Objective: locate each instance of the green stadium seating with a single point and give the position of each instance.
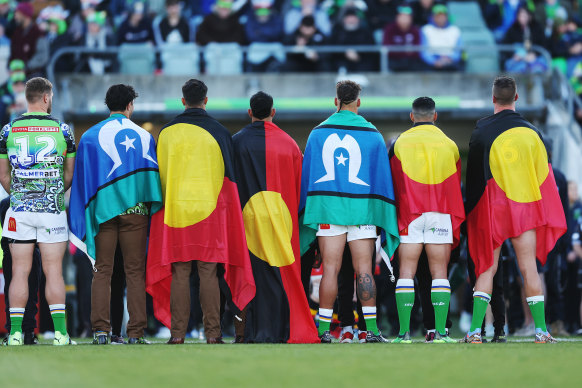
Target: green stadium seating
(137, 58)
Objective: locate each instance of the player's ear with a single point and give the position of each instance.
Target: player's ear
(412, 117)
(183, 101)
(273, 112)
(434, 119)
(494, 100)
(335, 101)
(250, 112)
(358, 103)
(516, 96)
(205, 101)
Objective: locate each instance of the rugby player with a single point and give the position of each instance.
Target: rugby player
(37, 157)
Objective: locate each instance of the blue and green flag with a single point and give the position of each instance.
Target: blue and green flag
(115, 169)
(346, 180)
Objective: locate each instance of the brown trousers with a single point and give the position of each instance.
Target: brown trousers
(209, 298)
(131, 232)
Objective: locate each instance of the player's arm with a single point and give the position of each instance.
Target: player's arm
(69, 166)
(5, 174)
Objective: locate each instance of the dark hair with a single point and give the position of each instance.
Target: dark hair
(261, 105)
(194, 92)
(504, 90)
(308, 21)
(172, 2)
(347, 91)
(423, 107)
(35, 88)
(119, 96)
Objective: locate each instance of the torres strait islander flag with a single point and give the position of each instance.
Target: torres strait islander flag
(346, 180)
(201, 218)
(268, 165)
(115, 169)
(426, 172)
(510, 188)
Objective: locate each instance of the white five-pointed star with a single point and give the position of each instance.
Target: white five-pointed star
(128, 143)
(341, 160)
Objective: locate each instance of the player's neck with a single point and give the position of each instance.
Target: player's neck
(36, 109)
(353, 109)
(265, 120)
(124, 113)
(501, 108)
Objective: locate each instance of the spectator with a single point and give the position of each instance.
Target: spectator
(52, 23)
(571, 43)
(422, 10)
(306, 60)
(7, 16)
(301, 8)
(174, 27)
(403, 33)
(443, 42)
(264, 24)
(382, 13)
(508, 13)
(352, 32)
(549, 12)
(97, 36)
(27, 41)
(525, 32)
(335, 8)
(11, 92)
(136, 28)
(491, 11)
(220, 26)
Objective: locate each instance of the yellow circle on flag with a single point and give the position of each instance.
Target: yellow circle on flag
(519, 164)
(269, 228)
(192, 173)
(427, 155)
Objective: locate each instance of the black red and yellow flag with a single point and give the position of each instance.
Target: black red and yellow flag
(201, 218)
(510, 188)
(426, 172)
(268, 164)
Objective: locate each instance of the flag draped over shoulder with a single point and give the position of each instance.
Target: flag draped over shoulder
(346, 179)
(115, 169)
(201, 218)
(268, 163)
(426, 170)
(510, 188)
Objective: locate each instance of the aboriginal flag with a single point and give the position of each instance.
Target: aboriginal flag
(426, 172)
(201, 218)
(510, 188)
(268, 164)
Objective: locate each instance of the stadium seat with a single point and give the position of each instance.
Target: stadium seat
(466, 14)
(137, 58)
(260, 52)
(180, 59)
(223, 58)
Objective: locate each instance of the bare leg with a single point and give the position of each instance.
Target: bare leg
(525, 250)
(52, 265)
(485, 281)
(362, 252)
(408, 255)
(21, 266)
(438, 259)
(332, 250)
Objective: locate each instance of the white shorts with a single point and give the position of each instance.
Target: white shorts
(39, 227)
(354, 232)
(429, 228)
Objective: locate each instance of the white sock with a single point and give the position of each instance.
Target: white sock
(347, 329)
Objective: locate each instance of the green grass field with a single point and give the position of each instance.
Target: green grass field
(515, 364)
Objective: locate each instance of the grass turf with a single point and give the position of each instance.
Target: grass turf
(337, 365)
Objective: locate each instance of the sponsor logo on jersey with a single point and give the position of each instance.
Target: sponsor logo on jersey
(35, 129)
(36, 174)
(440, 231)
(404, 232)
(324, 226)
(12, 224)
(59, 230)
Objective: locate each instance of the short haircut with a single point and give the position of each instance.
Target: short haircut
(261, 105)
(347, 91)
(423, 107)
(172, 2)
(504, 90)
(119, 96)
(37, 87)
(194, 92)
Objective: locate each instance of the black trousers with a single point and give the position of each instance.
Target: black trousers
(555, 278)
(83, 279)
(29, 320)
(117, 293)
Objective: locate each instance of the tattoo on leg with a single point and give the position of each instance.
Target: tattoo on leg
(366, 287)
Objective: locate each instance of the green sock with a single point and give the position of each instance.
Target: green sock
(404, 302)
(59, 320)
(480, 303)
(370, 318)
(536, 306)
(440, 296)
(325, 316)
(16, 316)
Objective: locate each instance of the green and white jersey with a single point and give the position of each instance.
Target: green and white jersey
(36, 145)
